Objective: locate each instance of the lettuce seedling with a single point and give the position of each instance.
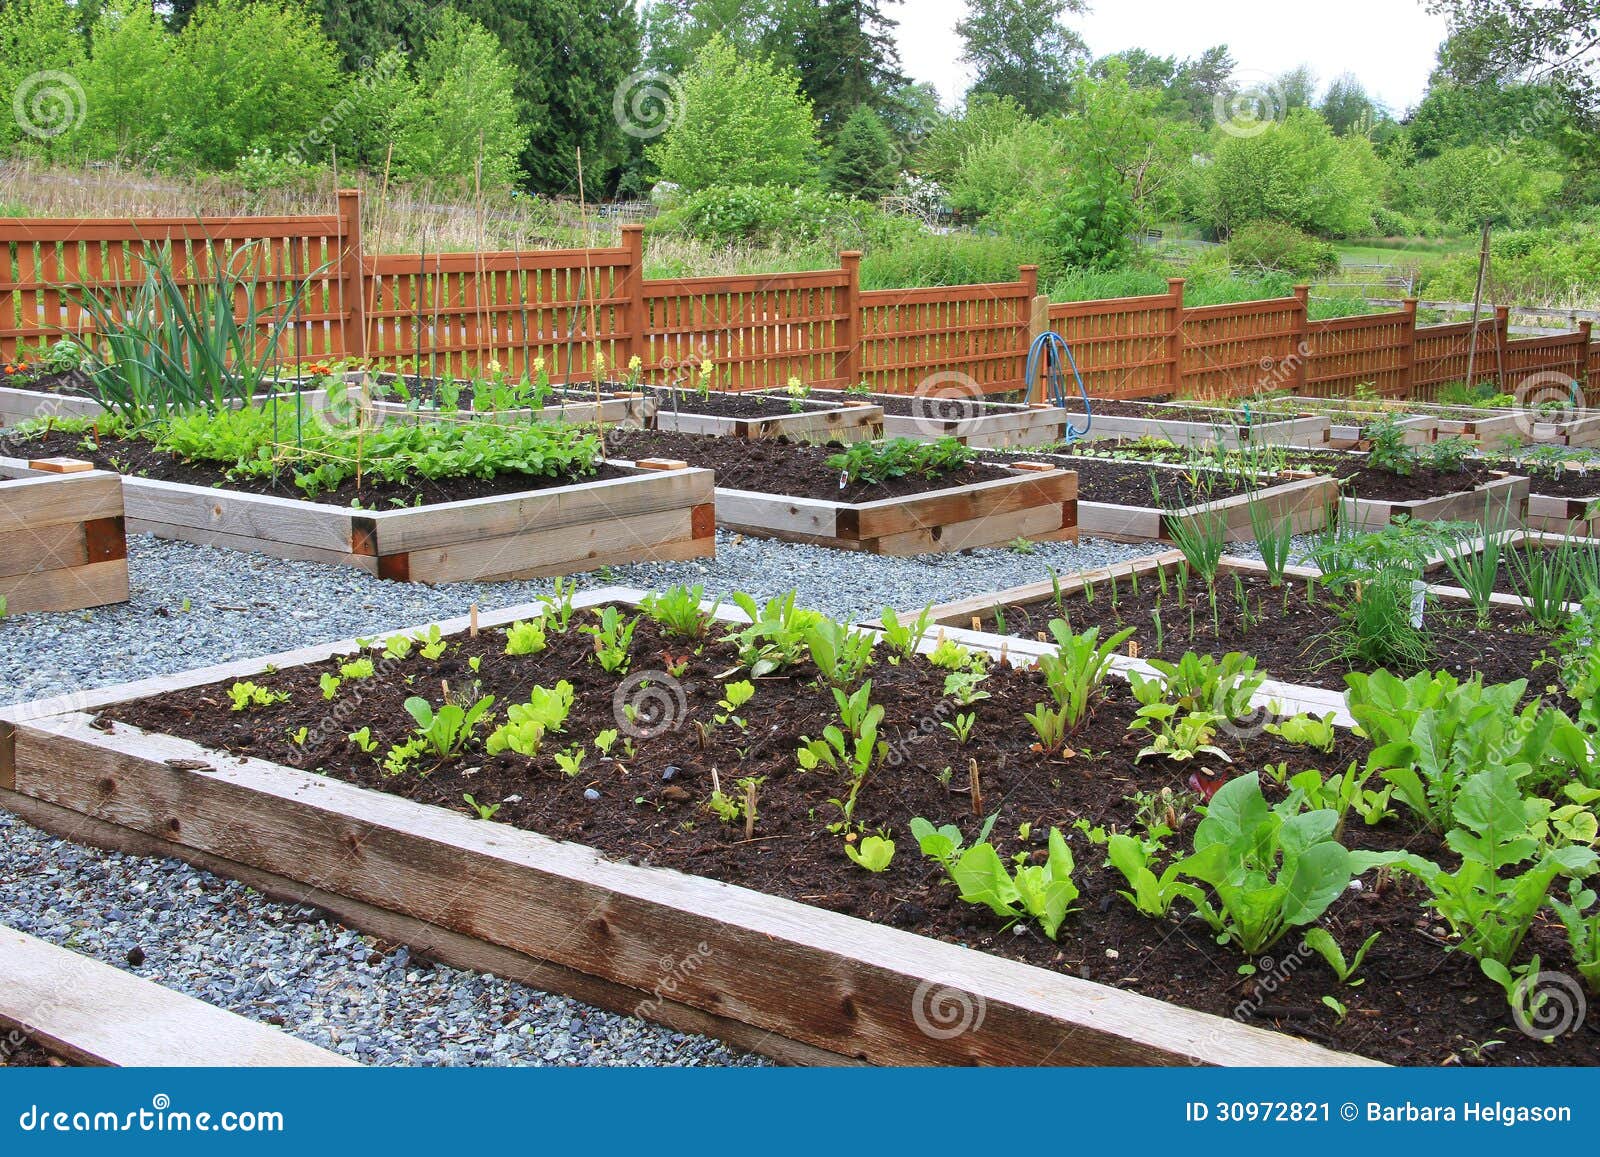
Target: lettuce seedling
(1321, 941)
(613, 637)
(246, 694)
(875, 854)
(1151, 894)
(330, 685)
(361, 668)
(1306, 731)
(1044, 892)
(525, 638)
(363, 739)
(527, 723)
(904, 638)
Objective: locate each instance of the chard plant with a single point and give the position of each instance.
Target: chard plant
(446, 730)
(1583, 932)
(679, 613)
(903, 639)
(1270, 868)
(1076, 670)
(613, 638)
(1180, 735)
(1222, 686)
(875, 853)
(841, 654)
(775, 638)
(1504, 877)
(525, 637)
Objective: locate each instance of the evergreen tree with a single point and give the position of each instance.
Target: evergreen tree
(864, 162)
(1021, 49)
(571, 60)
(847, 58)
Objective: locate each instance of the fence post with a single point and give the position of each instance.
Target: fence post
(1502, 335)
(849, 333)
(1585, 335)
(352, 277)
(1408, 354)
(1302, 338)
(1175, 336)
(635, 313)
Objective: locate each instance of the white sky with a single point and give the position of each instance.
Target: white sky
(1389, 44)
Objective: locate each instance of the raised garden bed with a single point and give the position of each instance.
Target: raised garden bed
(1285, 629)
(63, 542)
(761, 415)
(1185, 425)
(1562, 501)
(57, 1006)
(378, 399)
(970, 421)
(791, 492)
(1491, 498)
(510, 526)
(831, 981)
(777, 940)
(1128, 500)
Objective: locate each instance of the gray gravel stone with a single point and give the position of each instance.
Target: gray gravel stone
(221, 942)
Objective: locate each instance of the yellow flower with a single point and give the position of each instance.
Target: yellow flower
(538, 365)
(494, 367)
(599, 362)
(636, 363)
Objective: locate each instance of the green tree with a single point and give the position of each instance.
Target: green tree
(1021, 49)
(41, 51)
(847, 58)
(571, 60)
(1497, 42)
(742, 121)
(366, 29)
(461, 111)
(255, 76)
(129, 83)
(1296, 88)
(984, 119)
(1297, 172)
(1346, 106)
(1463, 187)
(863, 163)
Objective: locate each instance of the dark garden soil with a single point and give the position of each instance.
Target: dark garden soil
(721, 404)
(19, 1051)
(1574, 483)
(1359, 480)
(940, 409)
(1290, 638)
(778, 466)
(1420, 1004)
(1169, 413)
(140, 459)
(73, 382)
(1131, 484)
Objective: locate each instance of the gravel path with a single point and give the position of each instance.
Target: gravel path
(221, 942)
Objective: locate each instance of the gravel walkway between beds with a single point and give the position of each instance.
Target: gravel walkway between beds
(223, 943)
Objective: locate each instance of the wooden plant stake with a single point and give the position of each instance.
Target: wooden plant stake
(750, 809)
(472, 615)
(975, 787)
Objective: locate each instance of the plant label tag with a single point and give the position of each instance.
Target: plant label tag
(1419, 601)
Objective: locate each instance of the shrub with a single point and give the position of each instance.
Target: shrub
(1275, 245)
(770, 214)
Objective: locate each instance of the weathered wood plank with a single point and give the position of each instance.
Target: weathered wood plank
(94, 1014)
(828, 980)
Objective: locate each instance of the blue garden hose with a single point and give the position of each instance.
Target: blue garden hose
(1047, 349)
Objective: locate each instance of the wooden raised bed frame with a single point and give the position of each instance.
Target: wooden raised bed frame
(656, 514)
(849, 421)
(1306, 501)
(1503, 499)
(1306, 430)
(1038, 501)
(63, 538)
(89, 1013)
(1002, 425)
(798, 983)
(1578, 517)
